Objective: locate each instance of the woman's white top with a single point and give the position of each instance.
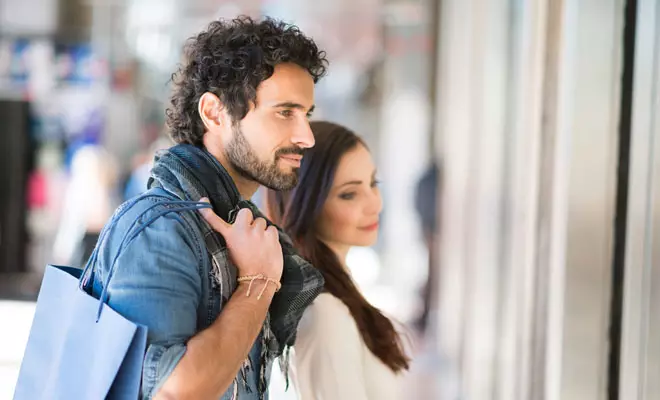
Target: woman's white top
(332, 362)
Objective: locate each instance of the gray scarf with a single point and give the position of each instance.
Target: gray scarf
(190, 173)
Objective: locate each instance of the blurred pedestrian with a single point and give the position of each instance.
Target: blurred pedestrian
(89, 202)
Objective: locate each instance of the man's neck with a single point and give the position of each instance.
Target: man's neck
(246, 187)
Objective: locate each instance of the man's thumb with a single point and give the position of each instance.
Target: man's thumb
(218, 224)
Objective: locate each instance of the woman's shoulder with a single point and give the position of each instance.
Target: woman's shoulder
(327, 319)
(329, 303)
(326, 310)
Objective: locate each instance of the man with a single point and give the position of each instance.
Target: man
(239, 113)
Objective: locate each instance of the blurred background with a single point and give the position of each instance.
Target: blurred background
(516, 142)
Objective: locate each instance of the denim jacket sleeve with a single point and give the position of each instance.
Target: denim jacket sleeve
(157, 282)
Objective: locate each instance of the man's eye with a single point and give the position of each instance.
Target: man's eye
(286, 113)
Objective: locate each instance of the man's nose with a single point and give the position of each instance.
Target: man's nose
(303, 136)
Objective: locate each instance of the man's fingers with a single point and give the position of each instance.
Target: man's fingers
(244, 217)
(260, 224)
(217, 223)
(272, 231)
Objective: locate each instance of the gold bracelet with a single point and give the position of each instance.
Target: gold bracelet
(260, 277)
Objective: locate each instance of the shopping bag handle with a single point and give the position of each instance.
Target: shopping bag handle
(131, 235)
(88, 271)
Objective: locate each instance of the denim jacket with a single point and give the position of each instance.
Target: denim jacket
(163, 281)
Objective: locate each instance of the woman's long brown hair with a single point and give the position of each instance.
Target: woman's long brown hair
(298, 211)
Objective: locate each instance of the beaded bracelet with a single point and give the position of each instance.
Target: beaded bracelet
(260, 277)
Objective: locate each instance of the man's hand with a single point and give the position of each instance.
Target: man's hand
(253, 248)
(214, 356)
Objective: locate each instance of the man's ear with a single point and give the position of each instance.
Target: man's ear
(210, 110)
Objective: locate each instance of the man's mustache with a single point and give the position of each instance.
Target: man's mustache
(290, 150)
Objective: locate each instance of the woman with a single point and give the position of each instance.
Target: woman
(345, 348)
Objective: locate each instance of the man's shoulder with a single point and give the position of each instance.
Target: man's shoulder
(141, 233)
(154, 207)
(150, 202)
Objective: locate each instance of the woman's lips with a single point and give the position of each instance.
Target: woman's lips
(371, 227)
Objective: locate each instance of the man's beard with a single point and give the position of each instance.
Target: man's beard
(244, 161)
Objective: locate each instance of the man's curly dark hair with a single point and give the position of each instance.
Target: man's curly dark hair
(231, 59)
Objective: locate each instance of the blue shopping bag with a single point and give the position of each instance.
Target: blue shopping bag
(71, 356)
(80, 348)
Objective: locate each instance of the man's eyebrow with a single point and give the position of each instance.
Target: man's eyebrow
(290, 104)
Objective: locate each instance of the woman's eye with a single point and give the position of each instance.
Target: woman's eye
(375, 183)
(347, 196)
